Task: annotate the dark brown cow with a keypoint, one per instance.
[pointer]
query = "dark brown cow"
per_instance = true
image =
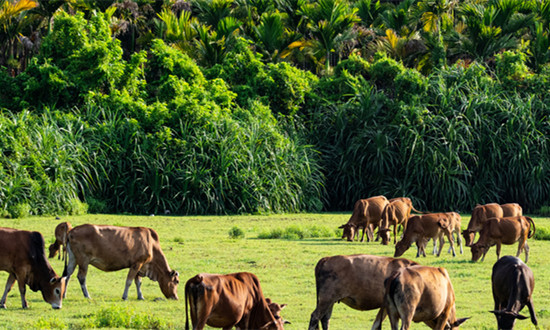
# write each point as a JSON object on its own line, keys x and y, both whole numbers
{"x": 481, "y": 213}
{"x": 395, "y": 213}
{"x": 498, "y": 231}
{"x": 112, "y": 248}
{"x": 22, "y": 255}
{"x": 421, "y": 228}
{"x": 513, "y": 285}
{"x": 60, "y": 240}
{"x": 421, "y": 294}
{"x": 355, "y": 280}
{"x": 366, "y": 215}
{"x": 226, "y": 301}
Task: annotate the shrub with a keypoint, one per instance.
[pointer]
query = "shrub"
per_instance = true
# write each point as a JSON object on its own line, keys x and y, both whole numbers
{"x": 544, "y": 211}
{"x": 50, "y": 323}
{"x": 20, "y": 210}
{"x": 121, "y": 317}
{"x": 296, "y": 232}
{"x": 236, "y": 233}
{"x": 75, "y": 207}
{"x": 542, "y": 233}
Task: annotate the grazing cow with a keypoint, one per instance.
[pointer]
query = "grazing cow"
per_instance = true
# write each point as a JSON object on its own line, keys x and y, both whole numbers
{"x": 226, "y": 301}
{"x": 420, "y": 228}
{"x": 456, "y": 222}
{"x": 513, "y": 284}
{"x": 498, "y": 231}
{"x": 112, "y": 248}
{"x": 409, "y": 203}
{"x": 60, "y": 240}
{"x": 481, "y": 213}
{"x": 22, "y": 255}
{"x": 366, "y": 214}
{"x": 395, "y": 213}
{"x": 421, "y": 294}
{"x": 355, "y": 280}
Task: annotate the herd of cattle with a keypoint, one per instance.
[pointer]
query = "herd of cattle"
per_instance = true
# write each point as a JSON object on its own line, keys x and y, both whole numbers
{"x": 400, "y": 288}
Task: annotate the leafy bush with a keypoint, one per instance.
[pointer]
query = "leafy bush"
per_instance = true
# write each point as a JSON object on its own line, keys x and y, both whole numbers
{"x": 542, "y": 233}
{"x": 21, "y": 210}
{"x": 122, "y": 317}
{"x": 236, "y": 232}
{"x": 297, "y": 232}
{"x": 50, "y": 323}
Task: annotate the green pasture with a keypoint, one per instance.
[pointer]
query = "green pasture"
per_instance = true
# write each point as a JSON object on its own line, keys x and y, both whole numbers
{"x": 285, "y": 267}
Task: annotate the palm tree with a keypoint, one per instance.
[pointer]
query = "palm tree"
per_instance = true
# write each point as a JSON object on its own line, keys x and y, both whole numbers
{"x": 213, "y": 45}
{"x": 211, "y": 12}
{"x": 273, "y": 39}
{"x": 330, "y": 24}
{"x": 180, "y": 32}
{"x": 12, "y": 23}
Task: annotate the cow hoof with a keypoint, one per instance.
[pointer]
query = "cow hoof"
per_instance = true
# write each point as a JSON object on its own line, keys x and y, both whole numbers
{"x": 141, "y": 298}
{"x": 3, "y": 306}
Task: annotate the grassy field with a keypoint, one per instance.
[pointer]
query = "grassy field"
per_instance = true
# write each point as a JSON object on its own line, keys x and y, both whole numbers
{"x": 285, "y": 268}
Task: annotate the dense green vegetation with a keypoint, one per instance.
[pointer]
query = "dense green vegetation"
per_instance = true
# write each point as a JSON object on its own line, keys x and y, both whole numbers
{"x": 285, "y": 267}
{"x": 232, "y": 106}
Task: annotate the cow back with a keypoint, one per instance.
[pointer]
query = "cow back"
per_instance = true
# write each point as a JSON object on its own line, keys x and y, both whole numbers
{"x": 511, "y": 210}
{"x": 481, "y": 213}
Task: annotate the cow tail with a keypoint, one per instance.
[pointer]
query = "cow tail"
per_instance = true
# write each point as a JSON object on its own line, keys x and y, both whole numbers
{"x": 67, "y": 247}
{"x": 531, "y": 232}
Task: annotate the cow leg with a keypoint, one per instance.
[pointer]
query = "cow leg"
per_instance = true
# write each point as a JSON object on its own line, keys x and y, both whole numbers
{"x": 451, "y": 242}
{"x": 71, "y": 266}
{"x": 394, "y": 233}
{"x": 138, "y": 287}
{"x": 22, "y": 291}
{"x": 459, "y": 241}
{"x": 380, "y": 316}
{"x": 526, "y": 248}
{"x": 434, "y": 252}
{"x": 532, "y": 311}
{"x": 9, "y": 285}
{"x": 367, "y": 230}
{"x": 132, "y": 274}
{"x": 498, "y": 250}
{"x": 82, "y": 271}
{"x": 322, "y": 313}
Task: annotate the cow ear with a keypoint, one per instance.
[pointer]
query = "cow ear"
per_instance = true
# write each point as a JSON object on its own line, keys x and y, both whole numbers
{"x": 174, "y": 273}
{"x": 287, "y": 322}
{"x": 53, "y": 280}
{"x": 342, "y": 226}
{"x": 283, "y": 306}
{"x": 460, "y": 321}
{"x": 496, "y": 312}
{"x": 520, "y": 317}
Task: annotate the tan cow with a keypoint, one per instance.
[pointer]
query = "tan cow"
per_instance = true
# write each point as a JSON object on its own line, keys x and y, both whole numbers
{"x": 407, "y": 201}
{"x": 366, "y": 215}
{"x": 455, "y": 224}
{"x": 481, "y": 213}
{"x": 61, "y": 231}
{"x": 355, "y": 280}
{"x": 22, "y": 255}
{"x": 226, "y": 301}
{"x": 498, "y": 231}
{"x": 112, "y": 248}
{"x": 395, "y": 213}
{"x": 421, "y": 294}
{"x": 421, "y": 228}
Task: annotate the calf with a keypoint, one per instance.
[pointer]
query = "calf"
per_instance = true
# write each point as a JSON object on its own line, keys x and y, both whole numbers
{"x": 226, "y": 301}
{"x": 407, "y": 201}
{"x": 513, "y": 285}
{"x": 498, "y": 231}
{"x": 355, "y": 280}
{"x": 421, "y": 294}
{"x": 366, "y": 214}
{"x": 455, "y": 223}
{"x": 420, "y": 228}
{"x": 112, "y": 248}
{"x": 22, "y": 255}
{"x": 481, "y": 213}
{"x": 395, "y": 213}
{"x": 60, "y": 240}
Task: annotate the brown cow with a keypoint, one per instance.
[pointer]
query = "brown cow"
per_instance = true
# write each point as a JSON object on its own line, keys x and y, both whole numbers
{"x": 395, "y": 213}
{"x": 22, "y": 255}
{"x": 355, "y": 280}
{"x": 498, "y": 231}
{"x": 112, "y": 248}
{"x": 420, "y": 228}
{"x": 366, "y": 214}
{"x": 226, "y": 301}
{"x": 481, "y": 213}
{"x": 513, "y": 284}
{"x": 456, "y": 223}
{"x": 60, "y": 240}
{"x": 409, "y": 203}
{"x": 421, "y": 294}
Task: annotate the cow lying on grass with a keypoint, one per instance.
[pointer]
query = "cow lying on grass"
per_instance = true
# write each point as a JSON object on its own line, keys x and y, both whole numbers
{"x": 513, "y": 284}
{"x": 498, "y": 231}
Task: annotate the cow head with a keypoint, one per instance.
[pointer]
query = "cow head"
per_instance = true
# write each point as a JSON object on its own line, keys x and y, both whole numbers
{"x": 468, "y": 237}
{"x": 478, "y": 250}
{"x": 349, "y": 231}
{"x": 385, "y": 234}
{"x": 53, "y": 248}
{"x": 507, "y": 319}
{"x": 53, "y": 292}
{"x": 400, "y": 248}
{"x": 278, "y": 322}
{"x": 169, "y": 284}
